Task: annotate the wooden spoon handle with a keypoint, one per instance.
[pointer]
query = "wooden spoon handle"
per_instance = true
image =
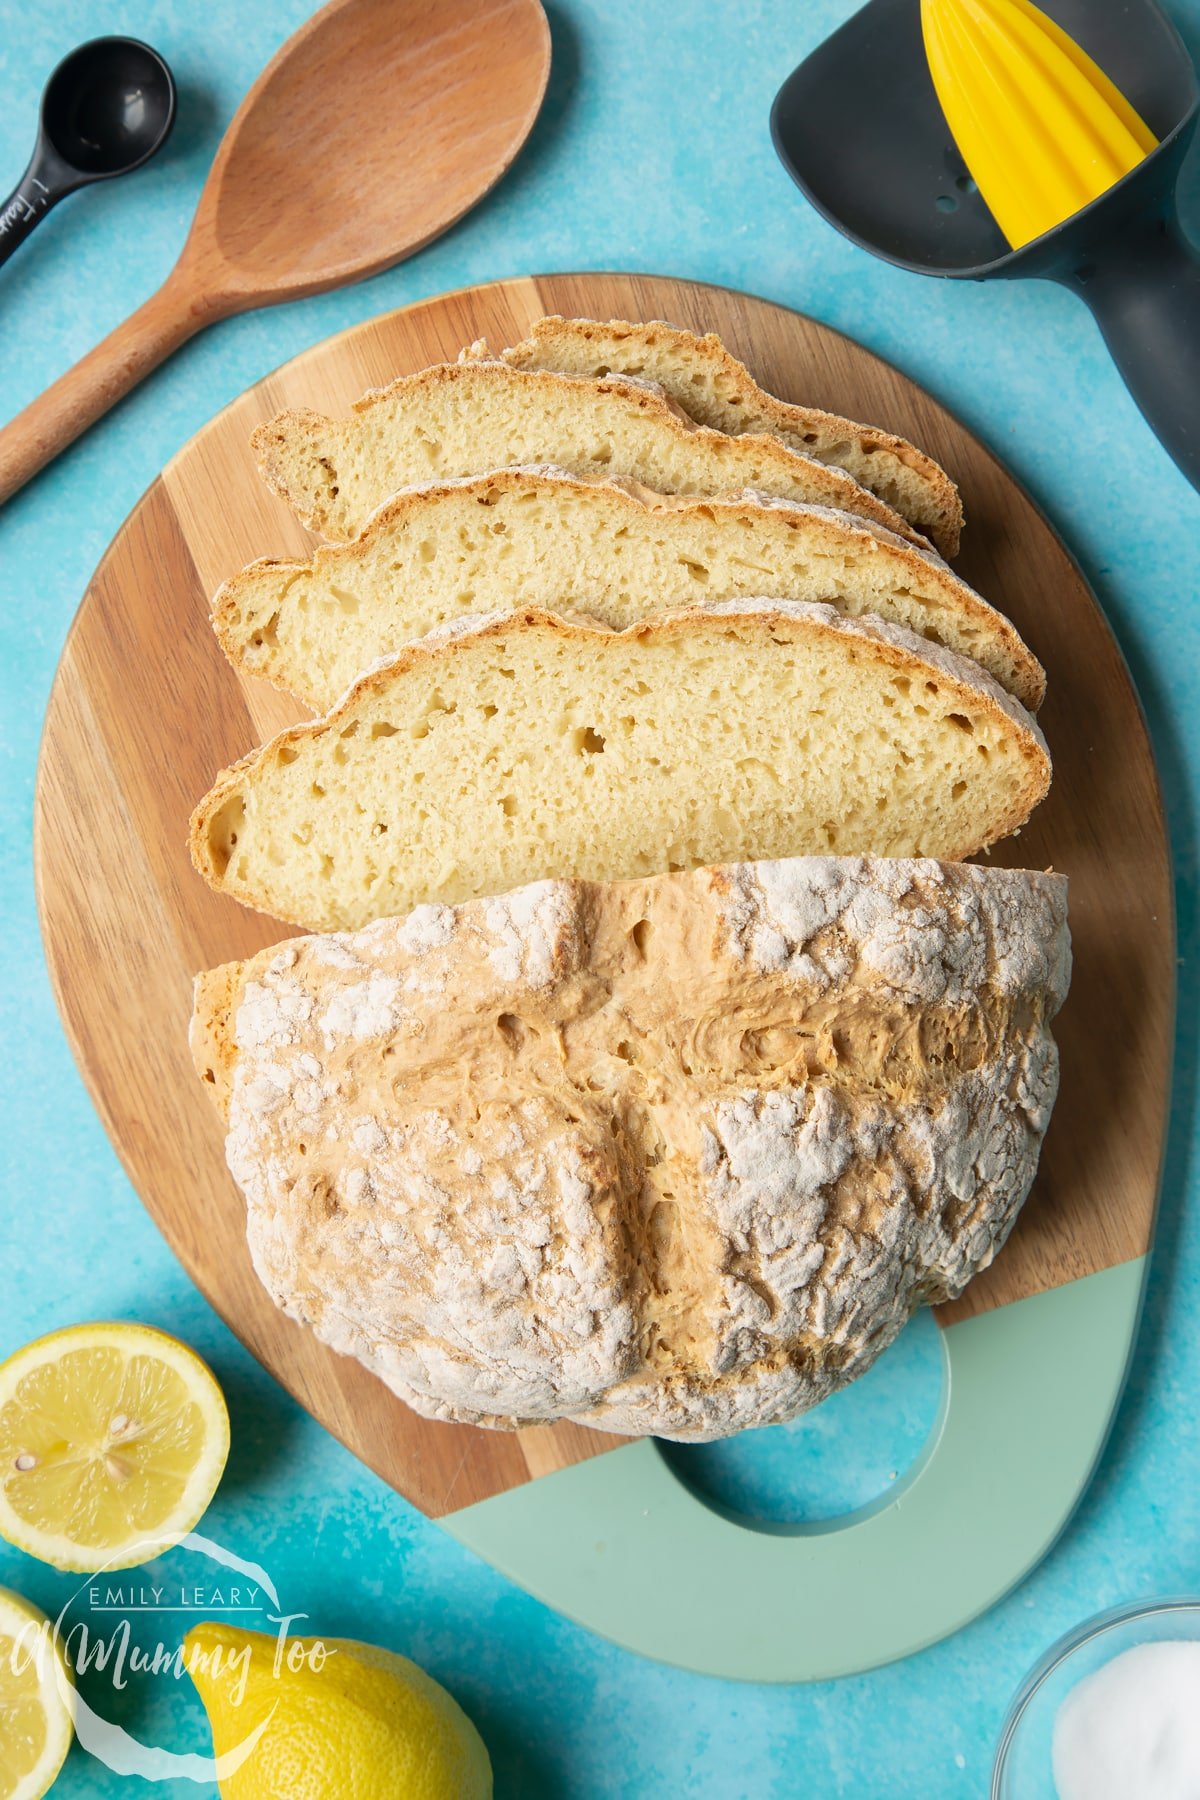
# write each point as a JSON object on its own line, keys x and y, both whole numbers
{"x": 107, "y": 373}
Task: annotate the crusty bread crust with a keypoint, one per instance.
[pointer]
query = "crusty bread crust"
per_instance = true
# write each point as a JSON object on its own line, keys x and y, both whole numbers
{"x": 312, "y": 462}
{"x": 211, "y": 1034}
{"x": 917, "y": 573}
{"x": 674, "y": 1155}
{"x": 731, "y": 395}
{"x": 896, "y": 650}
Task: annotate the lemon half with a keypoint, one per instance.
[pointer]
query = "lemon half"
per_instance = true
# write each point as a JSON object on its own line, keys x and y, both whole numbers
{"x": 113, "y": 1438}
{"x": 35, "y": 1701}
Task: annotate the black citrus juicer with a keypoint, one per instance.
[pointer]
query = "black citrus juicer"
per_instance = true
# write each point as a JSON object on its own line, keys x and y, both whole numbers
{"x": 859, "y": 128}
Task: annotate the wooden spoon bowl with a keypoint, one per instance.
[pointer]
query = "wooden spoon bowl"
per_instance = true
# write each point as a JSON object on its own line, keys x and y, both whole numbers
{"x": 373, "y": 129}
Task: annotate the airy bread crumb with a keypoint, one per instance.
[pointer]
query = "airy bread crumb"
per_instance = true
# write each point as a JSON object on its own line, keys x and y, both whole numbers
{"x": 714, "y": 388}
{"x": 543, "y": 537}
{"x": 503, "y": 750}
{"x": 465, "y": 418}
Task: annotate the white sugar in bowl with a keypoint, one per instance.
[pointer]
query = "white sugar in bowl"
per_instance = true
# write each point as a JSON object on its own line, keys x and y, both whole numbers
{"x": 1111, "y": 1712}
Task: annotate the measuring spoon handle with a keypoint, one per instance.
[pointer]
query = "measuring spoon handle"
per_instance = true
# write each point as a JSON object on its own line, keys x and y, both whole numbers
{"x": 105, "y": 375}
{"x": 42, "y": 186}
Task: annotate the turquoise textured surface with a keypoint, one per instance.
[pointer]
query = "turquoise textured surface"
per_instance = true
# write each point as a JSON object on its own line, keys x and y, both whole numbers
{"x": 652, "y": 153}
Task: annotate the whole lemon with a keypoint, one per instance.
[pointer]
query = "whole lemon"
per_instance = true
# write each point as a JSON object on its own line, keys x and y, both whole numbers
{"x": 330, "y": 1719}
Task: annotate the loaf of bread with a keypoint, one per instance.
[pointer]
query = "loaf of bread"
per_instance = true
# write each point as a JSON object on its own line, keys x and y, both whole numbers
{"x": 502, "y": 750}
{"x": 467, "y": 418}
{"x": 673, "y": 1156}
{"x": 701, "y": 376}
{"x": 543, "y": 537}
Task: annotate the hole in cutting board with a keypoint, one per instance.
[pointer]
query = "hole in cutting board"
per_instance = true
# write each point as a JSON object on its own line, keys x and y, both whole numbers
{"x": 850, "y": 1452}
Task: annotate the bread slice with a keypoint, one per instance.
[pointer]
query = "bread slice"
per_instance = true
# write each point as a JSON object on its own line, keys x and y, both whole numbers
{"x": 466, "y": 418}
{"x": 677, "y": 1155}
{"x": 715, "y": 389}
{"x": 542, "y": 537}
{"x": 505, "y": 749}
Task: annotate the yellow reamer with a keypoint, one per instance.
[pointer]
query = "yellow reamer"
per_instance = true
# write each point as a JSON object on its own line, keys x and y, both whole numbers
{"x": 1040, "y": 126}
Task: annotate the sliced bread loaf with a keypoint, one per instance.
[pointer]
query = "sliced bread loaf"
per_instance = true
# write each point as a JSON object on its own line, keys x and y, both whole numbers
{"x": 505, "y": 749}
{"x": 542, "y": 537}
{"x": 678, "y": 1155}
{"x": 715, "y": 389}
{"x": 466, "y": 418}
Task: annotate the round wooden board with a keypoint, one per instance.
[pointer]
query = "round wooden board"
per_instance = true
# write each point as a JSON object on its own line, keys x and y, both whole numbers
{"x": 145, "y": 710}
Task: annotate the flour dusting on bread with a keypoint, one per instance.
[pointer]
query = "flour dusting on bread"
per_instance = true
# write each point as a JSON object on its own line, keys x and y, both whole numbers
{"x": 677, "y": 1155}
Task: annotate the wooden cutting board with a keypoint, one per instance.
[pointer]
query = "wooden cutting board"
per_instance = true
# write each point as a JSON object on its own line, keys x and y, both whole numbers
{"x": 144, "y": 710}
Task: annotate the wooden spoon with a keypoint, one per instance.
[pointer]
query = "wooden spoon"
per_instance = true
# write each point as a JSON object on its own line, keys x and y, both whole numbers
{"x": 370, "y": 132}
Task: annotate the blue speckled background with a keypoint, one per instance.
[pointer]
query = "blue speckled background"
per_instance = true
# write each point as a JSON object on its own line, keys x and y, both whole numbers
{"x": 652, "y": 153}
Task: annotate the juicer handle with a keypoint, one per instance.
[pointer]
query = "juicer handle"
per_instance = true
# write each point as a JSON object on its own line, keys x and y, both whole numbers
{"x": 1144, "y": 291}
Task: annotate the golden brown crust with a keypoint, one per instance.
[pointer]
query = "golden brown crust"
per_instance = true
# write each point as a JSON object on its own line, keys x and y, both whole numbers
{"x": 674, "y": 1154}
{"x": 211, "y": 1036}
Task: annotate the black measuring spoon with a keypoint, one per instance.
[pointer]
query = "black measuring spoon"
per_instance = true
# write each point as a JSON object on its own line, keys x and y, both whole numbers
{"x": 106, "y": 109}
{"x": 859, "y": 128}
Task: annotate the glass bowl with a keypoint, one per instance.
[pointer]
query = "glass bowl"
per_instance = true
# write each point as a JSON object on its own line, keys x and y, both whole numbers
{"x": 1022, "y": 1770}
